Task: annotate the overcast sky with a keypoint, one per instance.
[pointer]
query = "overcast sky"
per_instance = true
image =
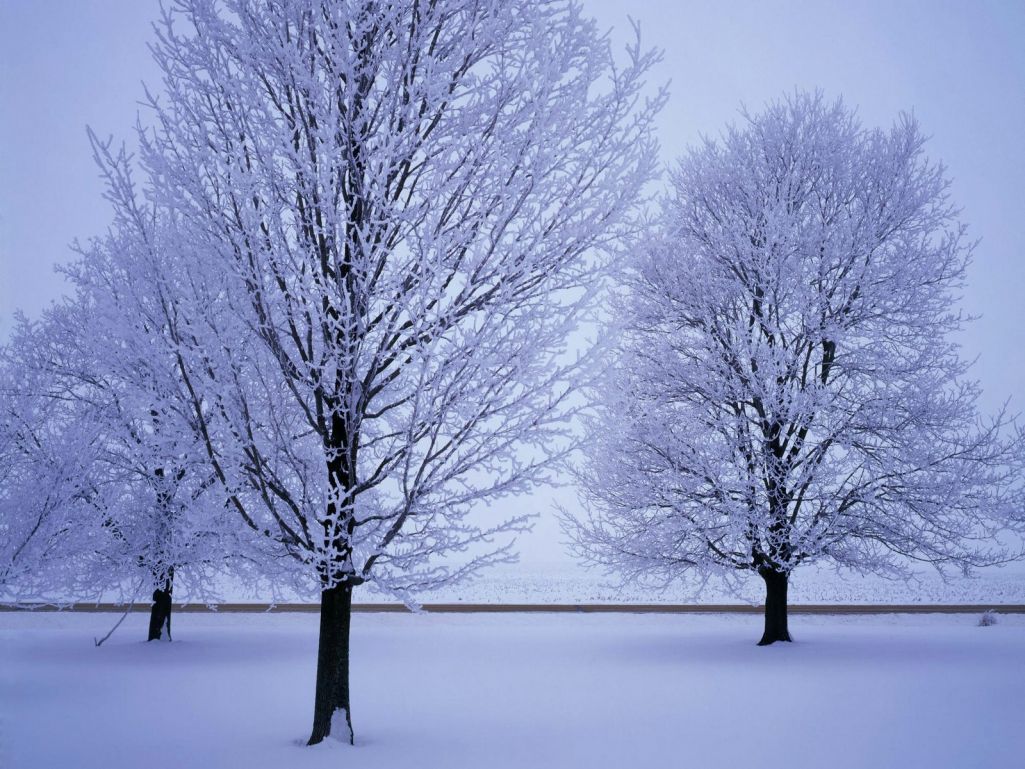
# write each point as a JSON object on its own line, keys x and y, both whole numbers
{"x": 960, "y": 66}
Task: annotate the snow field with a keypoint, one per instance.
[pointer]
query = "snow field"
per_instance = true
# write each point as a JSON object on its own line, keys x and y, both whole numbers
{"x": 524, "y": 691}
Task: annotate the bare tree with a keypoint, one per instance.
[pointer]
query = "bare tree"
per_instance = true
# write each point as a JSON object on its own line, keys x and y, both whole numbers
{"x": 788, "y": 389}
{"x": 396, "y": 211}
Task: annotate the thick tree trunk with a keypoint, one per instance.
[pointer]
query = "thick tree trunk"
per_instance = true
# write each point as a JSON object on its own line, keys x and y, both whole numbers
{"x": 160, "y": 612}
{"x": 775, "y": 607}
{"x": 332, "y": 698}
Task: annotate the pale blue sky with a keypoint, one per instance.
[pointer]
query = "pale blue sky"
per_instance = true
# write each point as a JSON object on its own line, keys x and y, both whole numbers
{"x": 959, "y": 65}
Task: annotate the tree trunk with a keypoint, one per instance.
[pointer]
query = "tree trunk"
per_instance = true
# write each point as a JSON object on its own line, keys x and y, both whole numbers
{"x": 775, "y": 606}
{"x": 160, "y": 612}
{"x": 332, "y": 697}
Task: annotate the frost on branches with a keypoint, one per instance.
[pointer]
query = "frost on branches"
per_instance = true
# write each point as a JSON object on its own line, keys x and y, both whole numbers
{"x": 45, "y": 453}
{"x": 106, "y": 493}
{"x": 787, "y": 389}
{"x": 395, "y": 213}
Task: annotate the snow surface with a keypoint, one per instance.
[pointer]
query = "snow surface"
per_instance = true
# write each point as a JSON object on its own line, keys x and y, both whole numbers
{"x": 524, "y": 691}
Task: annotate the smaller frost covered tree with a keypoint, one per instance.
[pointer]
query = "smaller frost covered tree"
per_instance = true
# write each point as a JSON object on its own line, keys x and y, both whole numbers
{"x": 105, "y": 491}
{"x": 99, "y": 495}
{"x": 787, "y": 389}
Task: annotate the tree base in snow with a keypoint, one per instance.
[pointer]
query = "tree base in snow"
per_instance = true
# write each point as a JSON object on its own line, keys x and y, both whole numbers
{"x": 775, "y": 607}
{"x": 331, "y": 712}
{"x": 160, "y": 615}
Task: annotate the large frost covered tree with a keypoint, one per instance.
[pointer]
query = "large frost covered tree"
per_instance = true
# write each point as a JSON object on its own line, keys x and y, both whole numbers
{"x": 397, "y": 210}
{"x": 788, "y": 388}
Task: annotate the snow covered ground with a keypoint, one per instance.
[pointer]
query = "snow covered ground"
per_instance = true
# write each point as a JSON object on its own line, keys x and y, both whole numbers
{"x": 522, "y": 691}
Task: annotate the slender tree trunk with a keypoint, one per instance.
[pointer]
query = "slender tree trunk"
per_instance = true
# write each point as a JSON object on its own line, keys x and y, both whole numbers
{"x": 775, "y": 606}
{"x": 332, "y": 698}
{"x": 160, "y": 612}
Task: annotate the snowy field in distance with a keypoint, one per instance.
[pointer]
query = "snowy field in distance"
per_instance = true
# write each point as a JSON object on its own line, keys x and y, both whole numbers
{"x": 568, "y": 583}
{"x": 523, "y": 691}
{"x": 571, "y": 583}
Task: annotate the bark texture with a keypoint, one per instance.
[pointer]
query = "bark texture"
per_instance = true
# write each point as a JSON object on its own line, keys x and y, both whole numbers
{"x": 160, "y": 612}
{"x": 775, "y": 606}
{"x": 332, "y": 693}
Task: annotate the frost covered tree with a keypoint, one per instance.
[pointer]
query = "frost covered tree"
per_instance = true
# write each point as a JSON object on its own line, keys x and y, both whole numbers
{"x": 396, "y": 211}
{"x": 101, "y": 497}
{"x": 788, "y": 388}
{"x": 104, "y": 472}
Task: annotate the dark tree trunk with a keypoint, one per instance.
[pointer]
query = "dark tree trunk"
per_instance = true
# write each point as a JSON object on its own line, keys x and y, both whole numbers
{"x": 160, "y": 612}
{"x": 775, "y": 606}
{"x": 333, "y": 665}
